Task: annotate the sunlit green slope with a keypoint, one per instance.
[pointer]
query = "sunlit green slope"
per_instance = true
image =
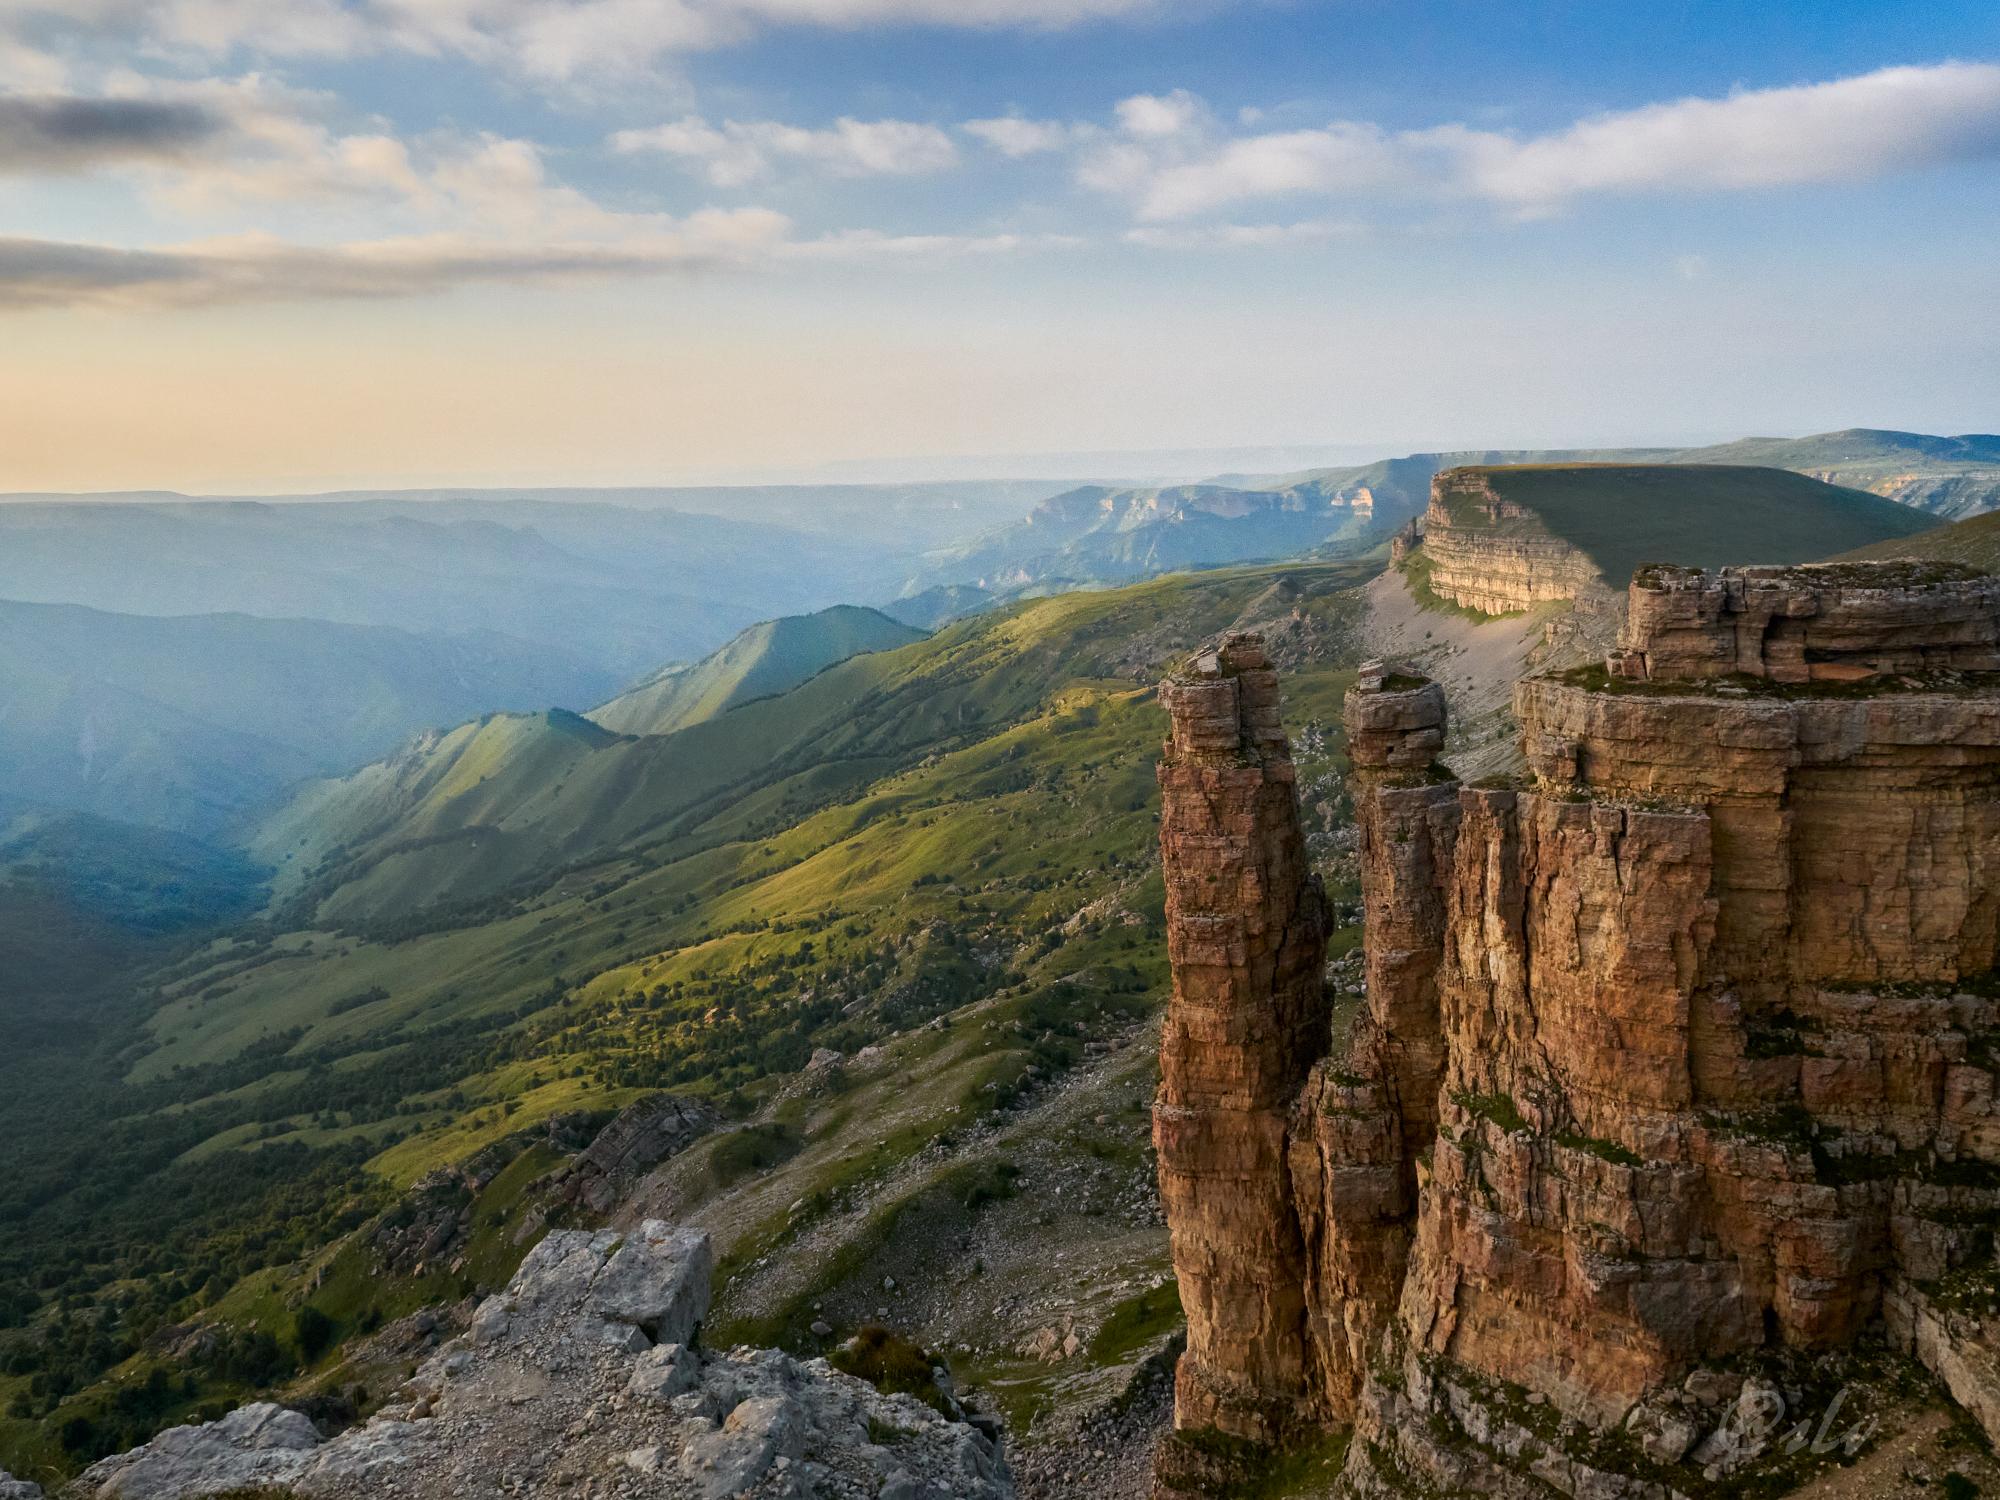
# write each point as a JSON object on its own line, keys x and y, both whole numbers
{"x": 1975, "y": 542}
{"x": 961, "y": 827}
{"x": 768, "y": 658}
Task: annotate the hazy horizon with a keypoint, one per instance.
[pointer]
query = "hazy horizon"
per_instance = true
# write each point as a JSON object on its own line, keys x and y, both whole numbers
{"x": 1154, "y": 466}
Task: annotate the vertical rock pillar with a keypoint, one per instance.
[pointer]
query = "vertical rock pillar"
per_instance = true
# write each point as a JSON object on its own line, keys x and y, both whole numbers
{"x": 1406, "y": 812}
{"x": 1246, "y": 932}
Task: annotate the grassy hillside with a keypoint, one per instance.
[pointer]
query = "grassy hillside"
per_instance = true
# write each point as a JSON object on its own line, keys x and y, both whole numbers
{"x": 943, "y": 851}
{"x": 1707, "y": 515}
{"x": 1947, "y": 476}
{"x": 768, "y": 658}
{"x": 1975, "y": 541}
{"x": 186, "y": 722}
{"x": 462, "y": 817}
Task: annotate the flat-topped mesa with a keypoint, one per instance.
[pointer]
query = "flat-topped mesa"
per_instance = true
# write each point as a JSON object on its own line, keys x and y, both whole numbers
{"x": 1246, "y": 933}
{"x": 1488, "y": 553}
{"x": 1826, "y": 622}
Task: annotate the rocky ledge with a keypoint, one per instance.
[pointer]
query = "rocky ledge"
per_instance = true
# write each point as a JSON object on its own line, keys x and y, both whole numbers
{"x": 585, "y": 1377}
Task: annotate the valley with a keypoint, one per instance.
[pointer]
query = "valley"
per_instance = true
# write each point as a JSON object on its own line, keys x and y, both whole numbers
{"x": 880, "y": 911}
{"x": 955, "y": 831}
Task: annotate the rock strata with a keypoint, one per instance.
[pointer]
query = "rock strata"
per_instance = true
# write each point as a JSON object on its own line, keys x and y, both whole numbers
{"x": 1681, "y": 1047}
{"x": 586, "y": 1376}
{"x": 643, "y": 1135}
{"x": 1487, "y": 553}
{"x": 1246, "y": 930}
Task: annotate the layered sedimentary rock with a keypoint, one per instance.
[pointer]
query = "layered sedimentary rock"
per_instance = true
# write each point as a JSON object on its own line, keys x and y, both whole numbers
{"x": 1486, "y": 553}
{"x": 1827, "y": 623}
{"x": 1682, "y": 1046}
{"x": 1246, "y": 932}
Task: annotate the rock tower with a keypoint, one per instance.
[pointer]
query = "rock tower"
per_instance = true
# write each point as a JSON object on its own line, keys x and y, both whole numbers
{"x": 1681, "y": 1046}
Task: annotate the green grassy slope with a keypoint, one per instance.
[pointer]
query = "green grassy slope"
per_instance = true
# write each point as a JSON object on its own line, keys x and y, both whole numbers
{"x": 1975, "y": 541}
{"x": 961, "y": 827}
{"x": 1708, "y": 515}
{"x": 465, "y": 815}
{"x": 769, "y": 658}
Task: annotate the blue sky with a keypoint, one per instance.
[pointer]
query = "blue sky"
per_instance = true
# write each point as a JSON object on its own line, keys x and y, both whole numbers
{"x": 252, "y": 244}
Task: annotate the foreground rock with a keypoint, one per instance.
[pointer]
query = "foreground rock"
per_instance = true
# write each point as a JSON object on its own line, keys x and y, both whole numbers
{"x": 586, "y": 1377}
{"x": 1682, "y": 1049}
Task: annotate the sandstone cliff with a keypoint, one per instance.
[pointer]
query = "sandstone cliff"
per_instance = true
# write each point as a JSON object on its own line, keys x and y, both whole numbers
{"x": 1678, "y": 1050}
{"x": 1483, "y": 552}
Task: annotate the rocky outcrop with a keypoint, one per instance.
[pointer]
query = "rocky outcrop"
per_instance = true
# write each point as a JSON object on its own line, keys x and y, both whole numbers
{"x": 1487, "y": 553}
{"x": 586, "y": 1376}
{"x": 18, "y": 1489}
{"x": 1246, "y": 930}
{"x": 643, "y": 1135}
{"x": 1684, "y": 1045}
{"x": 1829, "y": 622}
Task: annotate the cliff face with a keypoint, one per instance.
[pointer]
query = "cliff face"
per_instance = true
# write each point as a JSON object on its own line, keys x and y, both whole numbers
{"x": 1485, "y": 553}
{"x": 1246, "y": 933}
{"x": 1682, "y": 1047}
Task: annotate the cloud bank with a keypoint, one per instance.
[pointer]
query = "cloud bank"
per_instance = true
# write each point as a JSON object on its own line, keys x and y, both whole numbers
{"x": 1168, "y": 160}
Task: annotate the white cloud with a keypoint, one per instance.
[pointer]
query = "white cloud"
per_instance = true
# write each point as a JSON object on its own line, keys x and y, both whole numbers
{"x": 1015, "y": 137}
{"x": 869, "y": 244}
{"x": 1157, "y": 116}
{"x": 545, "y": 38}
{"x": 1174, "y": 163}
{"x": 29, "y": 70}
{"x": 737, "y": 152}
{"x": 1851, "y": 128}
{"x": 1341, "y": 160}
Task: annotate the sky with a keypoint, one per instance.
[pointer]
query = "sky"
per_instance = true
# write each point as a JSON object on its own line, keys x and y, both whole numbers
{"x": 276, "y": 245}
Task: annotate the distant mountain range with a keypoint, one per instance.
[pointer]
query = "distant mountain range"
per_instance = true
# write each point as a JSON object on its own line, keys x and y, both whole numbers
{"x": 1099, "y": 534}
{"x": 224, "y": 662}
{"x": 618, "y": 588}
{"x": 1950, "y": 477}
{"x": 1103, "y": 534}
{"x": 772, "y": 657}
